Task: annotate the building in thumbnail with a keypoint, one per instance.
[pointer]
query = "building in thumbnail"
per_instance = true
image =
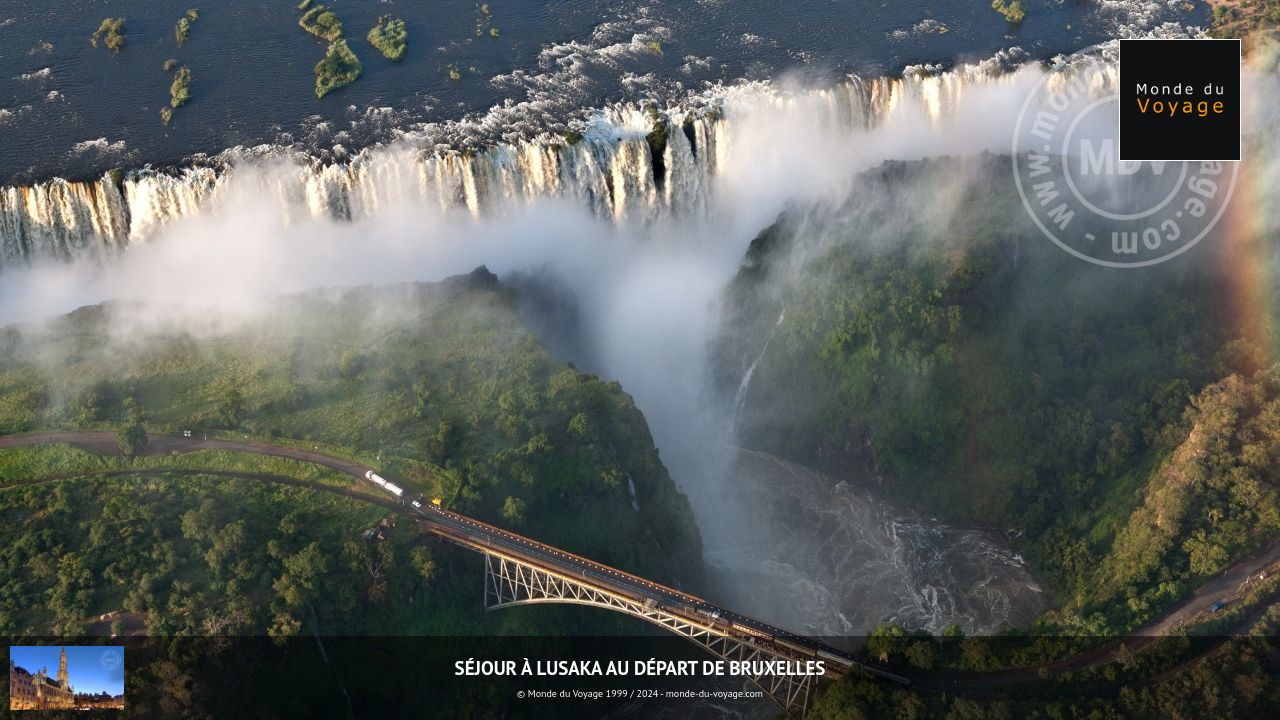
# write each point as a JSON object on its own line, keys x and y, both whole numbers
{"x": 38, "y": 691}
{"x": 99, "y": 701}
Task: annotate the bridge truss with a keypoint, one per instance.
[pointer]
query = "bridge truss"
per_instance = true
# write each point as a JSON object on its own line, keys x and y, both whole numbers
{"x": 510, "y": 581}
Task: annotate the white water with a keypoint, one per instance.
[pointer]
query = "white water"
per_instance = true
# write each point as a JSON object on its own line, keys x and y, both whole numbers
{"x": 611, "y": 171}
{"x": 840, "y": 562}
{"x": 740, "y": 398}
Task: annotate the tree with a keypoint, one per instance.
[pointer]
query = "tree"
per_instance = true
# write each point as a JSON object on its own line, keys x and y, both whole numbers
{"x": 231, "y": 407}
{"x": 349, "y": 365}
{"x": 423, "y": 562}
{"x": 302, "y": 572}
{"x": 132, "y": 439}
{"x": 922, "y": 654}
{"x": 513, "y": 510}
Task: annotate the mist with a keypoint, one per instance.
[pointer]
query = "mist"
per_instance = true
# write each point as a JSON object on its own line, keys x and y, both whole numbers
{"x": 647, "y": 286}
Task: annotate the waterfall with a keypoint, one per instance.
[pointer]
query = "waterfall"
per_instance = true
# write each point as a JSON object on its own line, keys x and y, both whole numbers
{"x": 631, "y": 488}
{"x": 740, "y": 398}
{"x": 610, "y": 167}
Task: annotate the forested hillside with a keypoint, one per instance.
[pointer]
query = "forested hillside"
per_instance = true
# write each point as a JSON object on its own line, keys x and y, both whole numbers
{"x": 437, "y": 386}
{"x": 960, "y": 361}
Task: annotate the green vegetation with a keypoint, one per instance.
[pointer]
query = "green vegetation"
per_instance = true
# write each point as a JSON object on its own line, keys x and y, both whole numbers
{"x": 183, "y": 28}
{"x": 132, "y": 439}
{"x": 181, "y": 556}
{"x": 339, "y": 67}
{"x": 1126, "y": 425}
{"x": 390, "y": 37}
{"x": 170, "y": 64}
{"x": 322, "y": 23}
{"x": 111, "y": 32}
{"x": 1120, "y": 423}
{"x": 304, "y": 4}
{"x": 657, "y": 139}
{"x": 1012, "y": 11}
{"x": 1247, "y": 19}
{"x": 1168, "y": 680}
{"x": 166, "y": 115}
{"x": 454, "y": 74}
{"x": 180, "y": 88}
{"x": 438, "y": 386}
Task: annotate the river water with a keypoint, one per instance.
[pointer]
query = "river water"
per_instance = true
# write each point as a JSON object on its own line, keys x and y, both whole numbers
{"x": 839, "y": 561}
{"x": 69, "y": 109}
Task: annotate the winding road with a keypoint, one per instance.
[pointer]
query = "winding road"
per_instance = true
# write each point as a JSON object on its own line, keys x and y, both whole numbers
{"x": 1224, "y": 586}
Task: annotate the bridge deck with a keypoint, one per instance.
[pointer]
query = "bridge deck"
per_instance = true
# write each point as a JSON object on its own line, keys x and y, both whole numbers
{"x": 482, "y": 537}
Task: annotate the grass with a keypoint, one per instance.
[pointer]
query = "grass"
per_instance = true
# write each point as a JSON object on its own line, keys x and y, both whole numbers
{"x": 339, "y": 67}
{"x": 111, "y": 32}
{"x": 390, "y": 37}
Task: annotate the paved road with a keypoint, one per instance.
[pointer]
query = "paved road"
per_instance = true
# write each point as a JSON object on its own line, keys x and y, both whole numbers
{"x": 477, "y": 535}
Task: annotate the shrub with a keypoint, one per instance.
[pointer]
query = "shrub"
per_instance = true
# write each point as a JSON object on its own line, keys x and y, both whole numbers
{"x": 339, "y": 67}
{"x": 183, "y": 28}
{"x": 180, "y": 90}
{"x": 321, "y": 23}
{"x": 390, "y": 37}
{"x": 1012, "y": 12}
{"x": 132, "y": 439}
{"x": 111, "y": 32}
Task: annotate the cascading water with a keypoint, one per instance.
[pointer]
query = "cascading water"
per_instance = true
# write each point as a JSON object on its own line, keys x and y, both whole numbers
{"x": 613, "y": 169}
{"x": 740, "y": 398}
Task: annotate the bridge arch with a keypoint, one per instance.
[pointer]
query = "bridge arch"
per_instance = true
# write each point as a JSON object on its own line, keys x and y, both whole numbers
{"x": 510, "y": 582}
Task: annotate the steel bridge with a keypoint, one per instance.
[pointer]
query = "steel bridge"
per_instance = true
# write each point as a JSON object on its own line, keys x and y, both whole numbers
{"x": 522, "y": 571}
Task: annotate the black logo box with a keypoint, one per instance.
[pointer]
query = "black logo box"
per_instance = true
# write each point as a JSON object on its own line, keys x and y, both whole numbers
{"x": 1181, "y": 64}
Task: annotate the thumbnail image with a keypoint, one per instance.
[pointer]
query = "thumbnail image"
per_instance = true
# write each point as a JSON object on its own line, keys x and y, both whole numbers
{"x": 87, "y": 678}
